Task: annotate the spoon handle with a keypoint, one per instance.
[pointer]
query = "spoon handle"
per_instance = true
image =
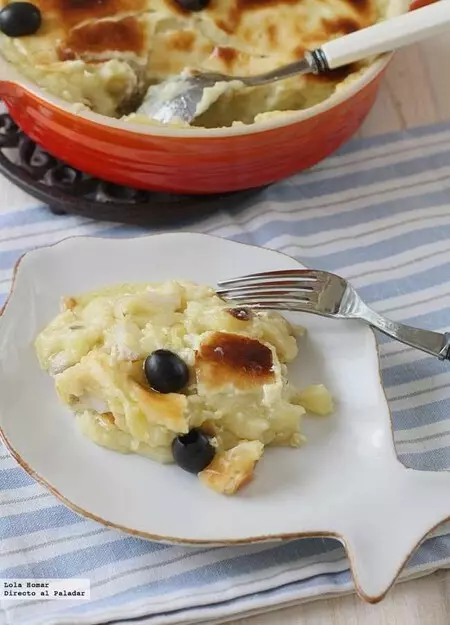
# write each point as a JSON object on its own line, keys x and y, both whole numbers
{"x": 386, "y": 36}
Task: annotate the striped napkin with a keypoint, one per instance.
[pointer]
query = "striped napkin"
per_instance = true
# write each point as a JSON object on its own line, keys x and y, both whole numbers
{"x": 377, "y": 213}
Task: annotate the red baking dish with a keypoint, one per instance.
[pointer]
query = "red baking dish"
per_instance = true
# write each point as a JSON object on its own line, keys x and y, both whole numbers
{"x": 190, "y": 160}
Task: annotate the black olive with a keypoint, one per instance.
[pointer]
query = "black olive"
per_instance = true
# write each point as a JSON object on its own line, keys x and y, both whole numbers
{"x": 20, "y": 19}
{"x": 165, "y": 371}
{"x": 193, "y": 451}
{"x": 192, "y": 5}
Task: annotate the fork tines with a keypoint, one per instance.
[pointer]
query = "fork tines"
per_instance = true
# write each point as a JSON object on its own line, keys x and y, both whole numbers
{"x": 272, "y": 288}
{"x": 293, "y": 274}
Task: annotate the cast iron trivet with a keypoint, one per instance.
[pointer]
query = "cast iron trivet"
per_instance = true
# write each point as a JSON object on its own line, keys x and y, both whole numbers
{"x": 68, "y": 190}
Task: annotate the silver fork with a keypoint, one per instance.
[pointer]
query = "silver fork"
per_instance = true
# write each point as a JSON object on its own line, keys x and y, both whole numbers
{"x": 328, "y": 295}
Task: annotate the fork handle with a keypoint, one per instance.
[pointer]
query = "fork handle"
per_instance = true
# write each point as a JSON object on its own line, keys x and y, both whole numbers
{"x": 386, "y": 36}
{"x": 427, "y": 341}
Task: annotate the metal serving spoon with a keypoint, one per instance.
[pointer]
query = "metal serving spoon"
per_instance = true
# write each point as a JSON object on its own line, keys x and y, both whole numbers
{"x": 181, "y": 98}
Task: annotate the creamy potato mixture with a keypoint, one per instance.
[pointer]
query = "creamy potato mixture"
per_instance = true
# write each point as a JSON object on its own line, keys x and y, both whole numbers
{"x": 106, "y": 54}
{"x": 171, "y": 372}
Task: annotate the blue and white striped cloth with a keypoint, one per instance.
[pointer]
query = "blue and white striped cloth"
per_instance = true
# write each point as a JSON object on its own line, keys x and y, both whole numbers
{"x": 377, "y": 213}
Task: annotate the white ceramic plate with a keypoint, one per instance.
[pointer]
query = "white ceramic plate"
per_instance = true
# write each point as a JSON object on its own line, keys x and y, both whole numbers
{"x": 346, "y": 482}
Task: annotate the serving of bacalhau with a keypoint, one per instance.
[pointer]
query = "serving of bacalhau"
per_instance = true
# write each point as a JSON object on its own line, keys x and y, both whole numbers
{"x": 172, "y": 372}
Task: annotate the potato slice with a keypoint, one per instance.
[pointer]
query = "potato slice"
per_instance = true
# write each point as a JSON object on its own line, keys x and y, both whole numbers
{"x": 231, "y": 470}
{"x": 316, "y": 399}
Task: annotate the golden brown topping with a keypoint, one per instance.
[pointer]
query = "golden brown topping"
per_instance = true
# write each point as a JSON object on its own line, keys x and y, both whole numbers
{"x": 68, "y": 303}
{"x": 340, "y": 26}
{"x": 272, "y": 33}
{"x": 182, "y": 40}
{"x": 72, "y": 12}
{"x": 108, "y": 417}
{"x": 231, "y": 470}
{"x": 162, "y": 409}
{"x": 360, "y": 5}
{"x": 242, "y": 314}
{"x": 227, "y": 55}
{"x": 127, "y": 35}
{"x": 65, "y": 55}
{"x": 245, "y": 5}
{"x": 225, "y": 358}
{"x": 209, "y": 427}
{"x": 299, "y": 52}
{"x": 227, "y": 26}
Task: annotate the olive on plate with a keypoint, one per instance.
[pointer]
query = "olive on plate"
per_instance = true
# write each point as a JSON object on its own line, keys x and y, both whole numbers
{"x": 193, "y": 452}
{"x": 20, "y": 19}
{"x": 165, "y": 371}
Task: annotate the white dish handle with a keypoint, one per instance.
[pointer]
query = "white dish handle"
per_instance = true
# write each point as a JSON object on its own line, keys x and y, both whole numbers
{"x": 388, "y": 35}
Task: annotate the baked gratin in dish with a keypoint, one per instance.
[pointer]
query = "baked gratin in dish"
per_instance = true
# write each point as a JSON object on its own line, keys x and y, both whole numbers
{"x": 171, "y": 372}
{"x": 104, "y": 55}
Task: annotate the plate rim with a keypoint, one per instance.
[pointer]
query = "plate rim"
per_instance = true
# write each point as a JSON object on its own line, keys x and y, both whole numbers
{"x": 372, "y": 599}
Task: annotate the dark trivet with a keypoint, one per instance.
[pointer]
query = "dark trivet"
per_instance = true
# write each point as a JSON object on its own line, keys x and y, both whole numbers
{"x": 67, "y": 190}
